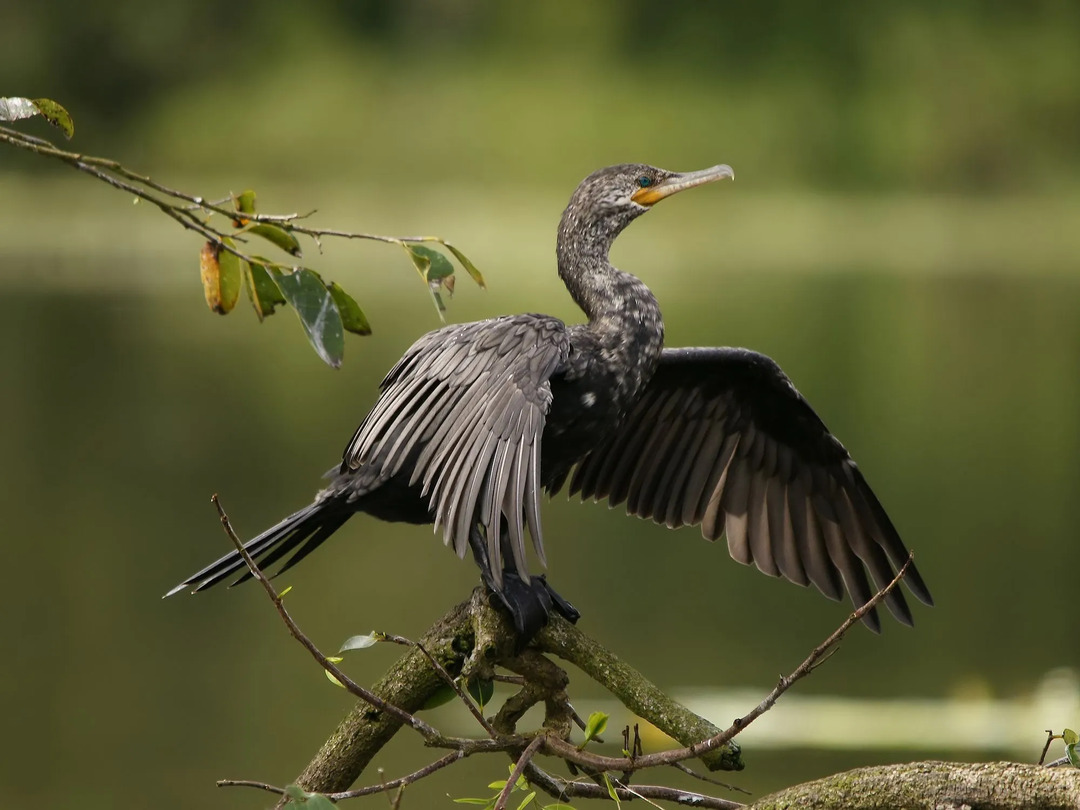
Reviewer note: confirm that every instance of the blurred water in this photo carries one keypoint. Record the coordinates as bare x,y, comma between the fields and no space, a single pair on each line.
122,411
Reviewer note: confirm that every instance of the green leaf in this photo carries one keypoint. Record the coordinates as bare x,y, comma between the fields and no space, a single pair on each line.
438,266
317,312
1071,739
595,725
262,290
284,592
436,270
527,800
497,785
276,235
298,797
233,270
473,801
359,642
245,202
333,659
611,791
442,695
481,690
15,109
56,115
352,317
520,784
470,268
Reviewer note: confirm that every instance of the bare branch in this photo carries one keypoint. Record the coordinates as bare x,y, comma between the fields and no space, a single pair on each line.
562,789
251,784
402,781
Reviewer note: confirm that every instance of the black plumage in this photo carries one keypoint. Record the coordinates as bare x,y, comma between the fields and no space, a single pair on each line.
477,419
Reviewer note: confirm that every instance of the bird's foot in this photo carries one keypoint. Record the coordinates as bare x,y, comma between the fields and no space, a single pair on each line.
530,604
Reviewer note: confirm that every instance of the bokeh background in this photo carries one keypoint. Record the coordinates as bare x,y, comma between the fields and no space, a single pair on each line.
902,238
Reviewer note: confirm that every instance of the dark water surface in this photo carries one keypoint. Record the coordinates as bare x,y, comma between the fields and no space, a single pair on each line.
121,413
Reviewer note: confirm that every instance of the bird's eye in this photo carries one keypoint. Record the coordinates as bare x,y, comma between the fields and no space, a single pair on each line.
644,181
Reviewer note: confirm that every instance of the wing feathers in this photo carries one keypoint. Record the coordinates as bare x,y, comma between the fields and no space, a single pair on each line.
721,437
464,409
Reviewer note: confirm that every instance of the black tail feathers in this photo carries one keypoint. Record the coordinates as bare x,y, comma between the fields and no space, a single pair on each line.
301,533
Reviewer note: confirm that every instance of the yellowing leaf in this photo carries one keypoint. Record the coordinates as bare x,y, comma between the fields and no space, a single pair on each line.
334,659
470,268
221,276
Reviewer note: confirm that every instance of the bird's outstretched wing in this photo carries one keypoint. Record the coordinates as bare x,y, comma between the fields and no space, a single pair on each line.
465,409
722,438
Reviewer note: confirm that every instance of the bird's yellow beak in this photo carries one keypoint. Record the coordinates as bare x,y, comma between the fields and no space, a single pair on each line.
680,182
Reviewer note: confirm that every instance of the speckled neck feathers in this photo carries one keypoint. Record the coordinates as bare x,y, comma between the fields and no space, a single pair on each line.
624,316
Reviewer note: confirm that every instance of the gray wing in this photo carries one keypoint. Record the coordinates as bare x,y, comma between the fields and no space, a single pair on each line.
722,438
465,409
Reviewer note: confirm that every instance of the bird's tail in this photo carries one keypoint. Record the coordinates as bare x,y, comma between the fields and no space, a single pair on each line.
301,533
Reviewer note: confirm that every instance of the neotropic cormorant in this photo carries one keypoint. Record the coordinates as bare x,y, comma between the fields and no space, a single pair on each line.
476,419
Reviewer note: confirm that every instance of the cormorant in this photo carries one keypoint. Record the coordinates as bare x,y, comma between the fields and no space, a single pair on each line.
476,419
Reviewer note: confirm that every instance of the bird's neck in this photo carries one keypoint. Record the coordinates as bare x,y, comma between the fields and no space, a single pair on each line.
623,313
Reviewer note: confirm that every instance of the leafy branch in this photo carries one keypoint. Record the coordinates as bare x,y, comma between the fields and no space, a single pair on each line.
229,225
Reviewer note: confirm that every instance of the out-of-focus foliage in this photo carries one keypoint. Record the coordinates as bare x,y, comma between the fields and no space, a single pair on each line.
952,96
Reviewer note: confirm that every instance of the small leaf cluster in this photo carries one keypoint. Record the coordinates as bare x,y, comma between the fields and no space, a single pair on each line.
325,310
521,787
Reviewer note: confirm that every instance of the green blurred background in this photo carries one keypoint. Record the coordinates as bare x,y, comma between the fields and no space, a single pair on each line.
902,238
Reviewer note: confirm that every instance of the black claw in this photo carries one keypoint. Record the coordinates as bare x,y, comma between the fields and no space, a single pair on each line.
530,605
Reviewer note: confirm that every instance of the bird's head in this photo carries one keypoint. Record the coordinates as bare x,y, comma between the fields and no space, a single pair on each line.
610,199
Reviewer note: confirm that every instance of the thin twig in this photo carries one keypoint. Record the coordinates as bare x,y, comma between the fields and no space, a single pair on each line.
251,784
1050,737
562,789
427,731
401,781
100,167
522,763
709,779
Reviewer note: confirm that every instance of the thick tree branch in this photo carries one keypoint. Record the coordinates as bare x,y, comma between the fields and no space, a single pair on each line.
936,786
635,691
